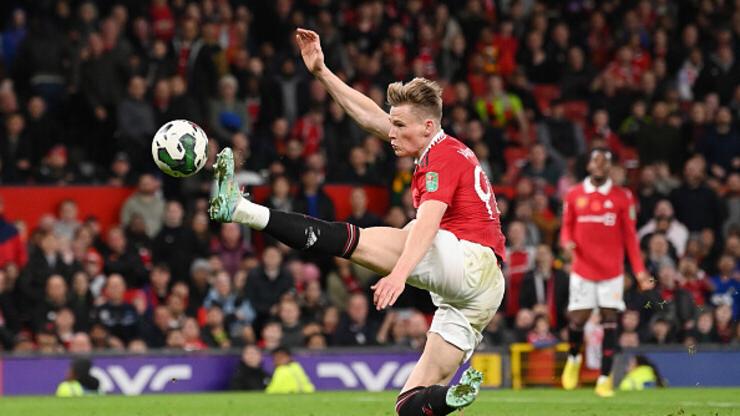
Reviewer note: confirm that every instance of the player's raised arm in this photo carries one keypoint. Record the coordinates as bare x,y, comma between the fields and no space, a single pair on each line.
360,107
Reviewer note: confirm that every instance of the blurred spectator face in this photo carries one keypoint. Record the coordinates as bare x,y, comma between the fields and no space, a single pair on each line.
725,265
543,257
148,184
698,113
294,150
56,290
280,187
115,289
358,200
36,107
137,88
117,240
658,245
667,277
251,356
271,258
191,330
15,125
178,86
223,284
175,339
162,318
694,171
162,92
64,321
176,305
723,315
358,158
517,234
47,343
705,322
524,319
312,293
630,320
538,156
724,118
495,85
80,284
660,111
629,339
215,317
330,320
160,277
660,330
230,234
272,333
228,87
289,313
68,211
49,244
80,344
663,209
357,308
189,30
173,214
316,342
137,346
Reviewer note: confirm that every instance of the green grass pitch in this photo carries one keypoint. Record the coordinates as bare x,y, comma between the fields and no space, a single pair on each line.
665,402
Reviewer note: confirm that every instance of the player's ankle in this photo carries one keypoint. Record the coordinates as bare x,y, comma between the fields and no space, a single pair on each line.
254,215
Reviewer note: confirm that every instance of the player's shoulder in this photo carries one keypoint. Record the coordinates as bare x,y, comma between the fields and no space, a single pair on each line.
450,150
622,192
576,189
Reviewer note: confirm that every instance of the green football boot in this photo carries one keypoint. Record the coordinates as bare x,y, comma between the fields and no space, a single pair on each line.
464,393
224,203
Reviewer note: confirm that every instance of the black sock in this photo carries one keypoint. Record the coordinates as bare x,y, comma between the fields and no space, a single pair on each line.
302,232
575,339
608,347
423,401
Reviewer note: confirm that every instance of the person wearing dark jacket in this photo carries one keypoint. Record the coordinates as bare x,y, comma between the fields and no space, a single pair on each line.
55,299
249,374
266,284
697,206
122,260
546,286
312,199
44,262
175,244
118,317
355,329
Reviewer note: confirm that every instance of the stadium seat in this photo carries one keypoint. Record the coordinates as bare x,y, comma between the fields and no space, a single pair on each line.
544,94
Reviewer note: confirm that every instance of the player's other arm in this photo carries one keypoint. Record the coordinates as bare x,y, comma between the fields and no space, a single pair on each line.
627,219
569,220
360,107
420,238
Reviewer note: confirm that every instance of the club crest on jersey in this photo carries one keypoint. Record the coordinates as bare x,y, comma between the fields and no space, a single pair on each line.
608,204
432,181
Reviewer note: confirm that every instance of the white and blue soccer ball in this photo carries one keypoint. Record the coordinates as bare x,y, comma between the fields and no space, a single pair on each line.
179,148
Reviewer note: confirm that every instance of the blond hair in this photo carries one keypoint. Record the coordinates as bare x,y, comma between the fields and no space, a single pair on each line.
424,94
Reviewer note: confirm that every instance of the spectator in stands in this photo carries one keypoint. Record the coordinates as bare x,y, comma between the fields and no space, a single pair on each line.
726,284
121,259
231,247
280,198
238,312
562,138
539,167
68,222
228,113
12,248
249,374
43,262
215,334
732,205
155,330
697,206
148,202
520,260
312,199
136,124
290,321
694,281
55,299
661,332
158,288
659,141
500,108
267,283
116,315
15,151
673,303
719,75
663,221
546,286
721,147
724,323
355,328
81,301
175,243
360,216
540,335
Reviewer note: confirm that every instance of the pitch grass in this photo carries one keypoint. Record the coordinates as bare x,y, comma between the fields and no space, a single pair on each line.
673,402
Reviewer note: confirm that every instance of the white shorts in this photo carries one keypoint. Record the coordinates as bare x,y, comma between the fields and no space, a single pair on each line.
589,294
466,285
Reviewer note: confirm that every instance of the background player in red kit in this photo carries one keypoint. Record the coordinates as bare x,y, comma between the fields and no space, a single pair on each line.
452,249
598,227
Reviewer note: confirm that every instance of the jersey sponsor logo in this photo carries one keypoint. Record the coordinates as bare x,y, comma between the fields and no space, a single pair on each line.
609,219
432,181
608,204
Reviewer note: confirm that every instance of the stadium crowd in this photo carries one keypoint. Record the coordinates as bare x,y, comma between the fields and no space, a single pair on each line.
529,85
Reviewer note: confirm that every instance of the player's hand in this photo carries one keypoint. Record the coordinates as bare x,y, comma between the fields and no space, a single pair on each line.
387,290
645,282
310,45
568,249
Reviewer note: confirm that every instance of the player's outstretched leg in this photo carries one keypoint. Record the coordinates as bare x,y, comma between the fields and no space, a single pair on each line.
440,400
377,248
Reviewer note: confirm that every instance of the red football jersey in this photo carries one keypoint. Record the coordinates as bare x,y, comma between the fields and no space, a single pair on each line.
601,221
448,171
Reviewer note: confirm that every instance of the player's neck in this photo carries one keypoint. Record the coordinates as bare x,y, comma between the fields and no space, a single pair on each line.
597,182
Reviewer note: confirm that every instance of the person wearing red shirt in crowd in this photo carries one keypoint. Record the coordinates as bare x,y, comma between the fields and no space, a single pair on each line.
12,247
453,249
598,227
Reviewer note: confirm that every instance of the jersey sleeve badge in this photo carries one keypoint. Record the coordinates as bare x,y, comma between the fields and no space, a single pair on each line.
432,181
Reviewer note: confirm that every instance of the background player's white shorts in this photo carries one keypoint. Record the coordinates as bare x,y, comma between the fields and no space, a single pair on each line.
589,294
466,285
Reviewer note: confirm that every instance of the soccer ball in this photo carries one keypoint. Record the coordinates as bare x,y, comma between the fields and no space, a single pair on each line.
179,148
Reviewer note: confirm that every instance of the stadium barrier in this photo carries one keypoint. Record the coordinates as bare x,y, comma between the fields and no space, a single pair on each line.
348,369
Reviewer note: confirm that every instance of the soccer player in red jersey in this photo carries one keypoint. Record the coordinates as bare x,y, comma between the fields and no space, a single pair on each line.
452,249
598,227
